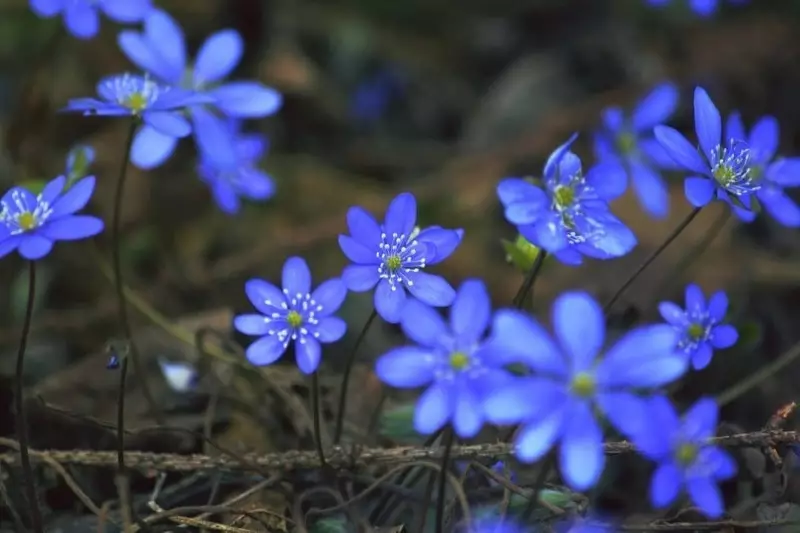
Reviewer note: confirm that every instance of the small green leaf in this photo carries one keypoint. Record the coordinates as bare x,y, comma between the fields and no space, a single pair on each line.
521,253
334,524
398,424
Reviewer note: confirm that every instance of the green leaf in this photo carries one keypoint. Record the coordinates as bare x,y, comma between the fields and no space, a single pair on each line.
398,424
751,333
521,253
333,524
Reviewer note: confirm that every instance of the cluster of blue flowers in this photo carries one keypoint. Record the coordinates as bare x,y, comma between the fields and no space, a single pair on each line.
575,378
704,8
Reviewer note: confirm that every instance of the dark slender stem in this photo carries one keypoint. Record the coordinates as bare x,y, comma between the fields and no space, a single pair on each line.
674,235
448,439
123,374
315,407
527,284
22,417
340,412
538,484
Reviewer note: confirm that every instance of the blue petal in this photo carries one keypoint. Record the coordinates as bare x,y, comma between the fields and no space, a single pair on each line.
256,185
734,127
407,367
82,20
707,121
168,123
296,277
389,301
151,148
780,206
218,56
443,241
785,172
163,31
330,296
401,215
718,305
654,153
47,8
705,494
245,99
581,455
699,191
555,158
627,412
651,189
307,353
718,461
695,301
549,233
580,327
608,179
523,399
423,325
34,247
700,421
251,324
71,228
702,356
431,289
8,244
357,252
613,119
680,150
360,278
435,407
665,485
644,357
614,239
656,107
569,256
471,311
363,227
673,314
536,438
330,329
526,341
53,190
517,190
264,296
655,441
140,52
75,198
764,140
126,11
467,418
568,167
266,350
724,336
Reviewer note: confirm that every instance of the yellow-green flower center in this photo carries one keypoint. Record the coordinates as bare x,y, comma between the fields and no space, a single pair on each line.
686,454
564,195
27,221
626,143
136,102
583,385
393,262
459,360
294,319
724,174
696,331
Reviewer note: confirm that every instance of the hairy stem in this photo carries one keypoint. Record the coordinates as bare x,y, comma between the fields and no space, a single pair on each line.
315,407
448,439
527,285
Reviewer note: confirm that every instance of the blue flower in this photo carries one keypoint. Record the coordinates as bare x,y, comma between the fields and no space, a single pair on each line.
449,357
31,224
243,179
776,174
570,217
81,17
572,380
628,143
157,105
584,525
704,8
292,314
493,524
685,459
161,50
394,255
722,168
700,327
373,96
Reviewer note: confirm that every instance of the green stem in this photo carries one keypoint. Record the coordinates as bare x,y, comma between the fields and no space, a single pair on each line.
672,236
527,284
448,447
340,412
22,418
315,407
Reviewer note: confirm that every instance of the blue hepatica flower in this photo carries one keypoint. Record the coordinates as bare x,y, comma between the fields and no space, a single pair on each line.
685,459
449,357
244,179
394,255
570,217
158,106
571,379
628,143
584,525
82,18
700,328
292,314
31,224
776,174
373,96
161,50
721,168
704,8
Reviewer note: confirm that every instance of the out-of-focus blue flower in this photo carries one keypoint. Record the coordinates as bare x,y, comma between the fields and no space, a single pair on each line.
496,525
721,168
570,217
776,174
158,106
243,179
704,8
685,459
181,376
371,97
79,159
449,357
628,143
700,327
160,49
82,17
394,255
585,525
292,314
572,380
31,224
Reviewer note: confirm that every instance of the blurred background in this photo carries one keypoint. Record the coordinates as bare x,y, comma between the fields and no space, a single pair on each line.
440,98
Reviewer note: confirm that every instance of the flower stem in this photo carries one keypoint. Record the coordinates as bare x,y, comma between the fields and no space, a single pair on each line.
315,407
132,351
527,284
19,400
538,484
337,434
448,439
672,236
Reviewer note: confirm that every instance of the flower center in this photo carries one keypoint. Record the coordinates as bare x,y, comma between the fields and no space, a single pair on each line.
626,143
459,360
730,166
564,196
137,102
393,262
399,257
696,331
686,454
27,221
294,319
583,385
